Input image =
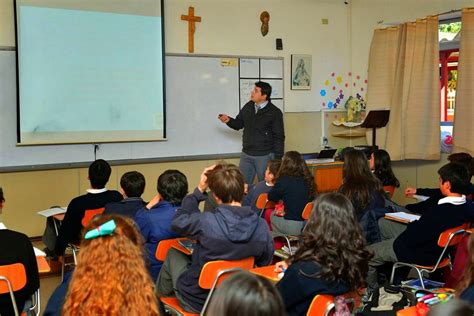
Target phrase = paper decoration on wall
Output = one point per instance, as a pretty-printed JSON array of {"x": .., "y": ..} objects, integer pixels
[
  {"x": 265, "y": 18},
  {"x": 336, "y": 89},
  {"x": 192, "y": 19}
]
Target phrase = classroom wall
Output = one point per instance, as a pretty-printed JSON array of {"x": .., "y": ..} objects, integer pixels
[{"x": 230, "y": 27}]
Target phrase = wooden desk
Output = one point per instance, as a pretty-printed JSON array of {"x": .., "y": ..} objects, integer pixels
[
  {"x": 267, "y": 272},
  {"x": 43, "y": 265},
  {"x": 327, "y": 176}
]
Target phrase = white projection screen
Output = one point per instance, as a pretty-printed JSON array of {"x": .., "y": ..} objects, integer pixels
[{"x": 90, "y": 71}]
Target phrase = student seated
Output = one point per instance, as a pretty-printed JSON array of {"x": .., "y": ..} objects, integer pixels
[
  {"x": 264, "y": 186},
  {"x": 132, "y": 186},
  {"x": 98, "y": 196},
  {"x": 110, "y": 277},
  {"x": 295, "y": 186},
  {"x": 244, "y": 293},
  {"x": 16, "y": 247},
  {"x": 230, "y": 232},
  {"x": 332, "y": 258},
  {"x": 434, "y": 195},
  {"x": 381, "y": 166},
  {"x": 154, "y": 220},
  {"x": 365, "y": 192},
  {"x": 417, "y": 242}
]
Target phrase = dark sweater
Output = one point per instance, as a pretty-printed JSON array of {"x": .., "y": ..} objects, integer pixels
[
  {"x": 127, "y": 207},
  {"x": 226, "y": 233},
  {"x": 16, "y": 247},
  {"x": 263, "y": 131},
  {"x": 155, "y": 226},
  {"x": 468, "y": 295},
  {"x": 295, "y": 195},
  {"x": 298, "y": 290},
  {"x": 434, "y": 196},
  {"x": 251, "y": 198},
  {"x": 419, "y": 242},
  {"x": 71, "y": 226}
]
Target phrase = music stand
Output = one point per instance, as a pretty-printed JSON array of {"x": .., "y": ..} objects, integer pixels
[{"x": 376, "y": 119}]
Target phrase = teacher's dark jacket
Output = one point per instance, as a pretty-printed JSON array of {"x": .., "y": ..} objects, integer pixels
[{"x": 263, "y": 131}]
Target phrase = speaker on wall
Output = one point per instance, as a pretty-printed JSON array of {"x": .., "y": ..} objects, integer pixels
[{"x": 279, "y": 44}]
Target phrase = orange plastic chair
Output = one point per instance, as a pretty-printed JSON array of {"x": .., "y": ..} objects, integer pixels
[
  {"x": 390, "y": 189},
  {"x": 263, "y": 203},
  {"x": 323, "y": 305},
  {"x": 289, "y": 238},
  {"x": 448, "y": 238},
  {"x": 89, "y": 215},
  {"x": 12, "y": 279},
  {"x": 212, "y": 274}
]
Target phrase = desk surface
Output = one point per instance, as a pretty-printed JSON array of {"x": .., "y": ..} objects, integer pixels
[
  {"x": 267, "y": 272},
  {"x": 410, "y": 311},
  {"x": 43, "y": 265}
]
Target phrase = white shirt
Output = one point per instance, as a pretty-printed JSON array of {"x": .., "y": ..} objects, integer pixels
[
  {"x": 456, "y": 200},
  {"x": 96, "y": 191},
  {"x": 260, "y": 106}
]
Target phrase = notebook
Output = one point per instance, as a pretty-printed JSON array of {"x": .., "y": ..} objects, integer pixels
[{"x": 402, "y": 217}]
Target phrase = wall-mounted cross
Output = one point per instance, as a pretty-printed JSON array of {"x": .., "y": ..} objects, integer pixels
[{"x": 192, "y": 19}]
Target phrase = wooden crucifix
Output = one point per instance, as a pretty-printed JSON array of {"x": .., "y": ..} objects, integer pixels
[{"x": 192, "y": 19}]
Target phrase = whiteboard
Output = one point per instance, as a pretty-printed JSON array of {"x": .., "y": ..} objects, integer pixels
[
  {"x": 271, "y": 69},
  {"x": 249, "y": 68},
  {"x": 198, "y": 88}
]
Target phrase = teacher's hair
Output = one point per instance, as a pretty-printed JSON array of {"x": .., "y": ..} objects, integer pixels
[{"x": 265, "y": 88}]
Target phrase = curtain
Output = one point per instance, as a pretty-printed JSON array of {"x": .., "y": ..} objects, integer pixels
[
  {"x": 404, "y": 78},
  {"x": 463, "y": 134}
]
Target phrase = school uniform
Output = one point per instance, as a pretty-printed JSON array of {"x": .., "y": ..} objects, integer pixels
[
  {"x": 128, "y": 207},
  {"x": 16, "y": 247},
  {"x": 299, "y": 286},
  {"x": 254, "y": 192}
]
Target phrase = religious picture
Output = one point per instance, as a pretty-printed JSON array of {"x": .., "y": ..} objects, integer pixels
[{"x": 301, "y": 72}]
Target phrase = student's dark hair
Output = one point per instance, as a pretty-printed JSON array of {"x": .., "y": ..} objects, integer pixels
[
  {"x": 293, "y": 165},
  {"x": 359, "y": 184},
  {"x": 99, "y": 173},
  {"x": 133, "y": 183},
  {"x": 246, "y": 294},
  {"x": 456, "y": 307},
  {"x": 333, "y": 239},
  {"x": 383, "y": 168},
  {"x": 172, "y": 186},
  {"x": 273, "y": 166},
  {"x": 265, "y": 88},
  {"x": 2, "y": 197},
  {"x": 227, "y": 182},
  {"x": 457, "y": 174},
  {"x": 464, "y": 159}
]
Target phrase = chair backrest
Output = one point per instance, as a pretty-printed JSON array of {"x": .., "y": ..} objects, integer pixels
[
  {"x": 214, "y": 272},
  {"x": 452, "y": 236},
  {"x": 89, "y": 215},
  {"x": 263, "y": 202},
  {"x": 323, "y": 305},
  {"x": 16, "y": 274},
  {"x": 390, "y": 189},
  {"x": 163, "y": 247},
  {"x": 307, "y": 210}
]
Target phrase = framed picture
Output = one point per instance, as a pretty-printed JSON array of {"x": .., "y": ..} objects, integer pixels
[{"x": 301, "y": 72}]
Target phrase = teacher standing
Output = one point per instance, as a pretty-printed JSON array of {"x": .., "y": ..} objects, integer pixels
[{"x": 264, "y": 134}]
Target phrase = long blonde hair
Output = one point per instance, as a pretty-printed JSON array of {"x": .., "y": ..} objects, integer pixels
[{"x": 110, "y": 277}]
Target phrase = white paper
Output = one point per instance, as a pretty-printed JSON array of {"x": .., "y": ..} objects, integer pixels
[
  {"x": 53, "y": 211},
  {"x": 39, "y": 253},
  {"x": 322, "y": 160},
  {"x": 420, "y": 197},
  {"x": 404, "y": 216}
]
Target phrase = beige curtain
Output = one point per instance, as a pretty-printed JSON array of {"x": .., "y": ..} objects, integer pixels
[
  {"x": 463, "y": 135},
  {"x": 404, "y": 77}
]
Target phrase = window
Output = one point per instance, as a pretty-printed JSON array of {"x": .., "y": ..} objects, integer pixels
[{"x": 449, "y": 37}]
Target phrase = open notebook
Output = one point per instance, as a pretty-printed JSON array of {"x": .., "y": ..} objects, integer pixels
[{"x": 402, "y": 217}]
